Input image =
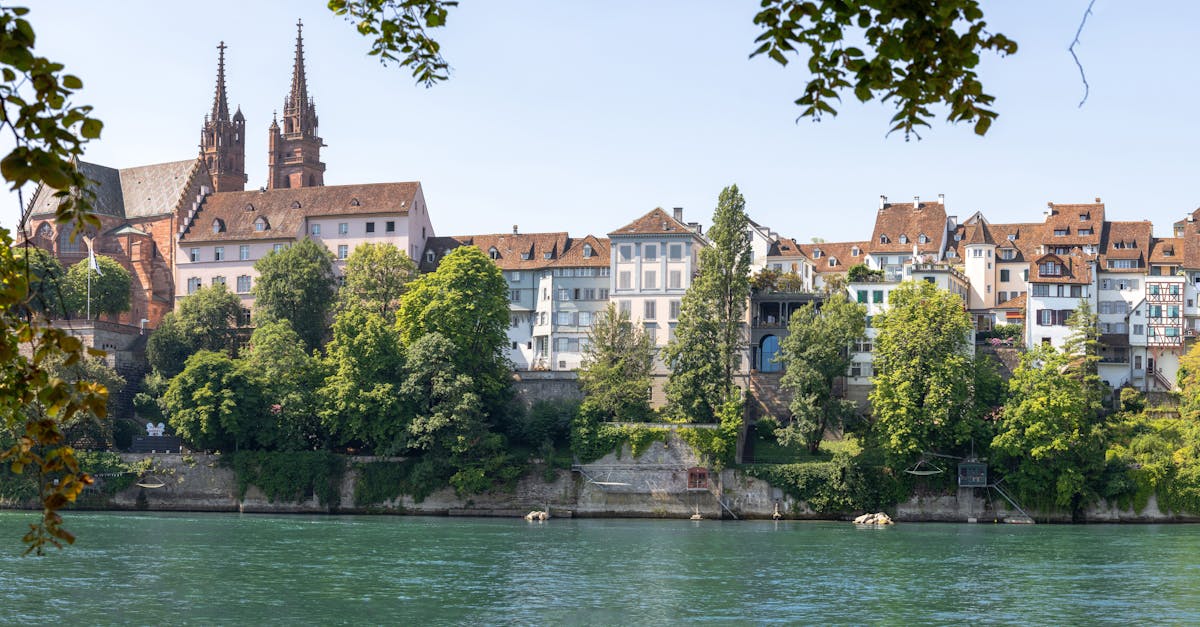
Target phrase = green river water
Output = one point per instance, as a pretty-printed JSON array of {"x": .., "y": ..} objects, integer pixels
[{"x": 161, "y": 568}]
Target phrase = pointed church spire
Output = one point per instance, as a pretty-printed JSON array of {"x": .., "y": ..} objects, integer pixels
[
  {"x": 294, "y": 151},
  {"x": 298, "y": 97},
  {"x": 220, "y": 108}
]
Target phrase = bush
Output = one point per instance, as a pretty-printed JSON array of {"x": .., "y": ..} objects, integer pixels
[
  {"x": 1132, "y": 400},
  {"x": 377, "y": 482},
  {"x": 847, "y": 484},
  {"x": 289, "y": 476}
]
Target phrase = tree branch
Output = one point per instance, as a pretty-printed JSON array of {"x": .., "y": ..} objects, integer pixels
[{"x": 1071, "y": 49}]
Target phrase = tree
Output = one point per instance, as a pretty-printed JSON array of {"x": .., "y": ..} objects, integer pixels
[
  {"x": 447, "y": 414},
  {"x": 615, "y": 374},
  {"x": 361, "y": 399},
  {"x": 292, "y": 378},
  {"x": 466, "y": 301},
  {"x": 860, "y": 273},
  {"x": 109, "y": 287},
  {"x": 1048, "y": 437},
  {"x": 713, "y": 312},
  {"x": 87, "y": 429},
  {"x": 168, "y": 347},
  {"x": 814, "y": 354},
  {"x": 297, "y": 284},
  {"x": 204, "y": 320},
  {"x": 1083, "y": 345},
  {"x": 921, "y": 400},
  {"x": 376, "y": 276},
  {"x": 214, "y": 404},
  {"x": 1188, "y": 378},
  {"x": 924, "y": 53},
  {"x": 47, "y": 281},
  {"x": 48, "y": 133}
]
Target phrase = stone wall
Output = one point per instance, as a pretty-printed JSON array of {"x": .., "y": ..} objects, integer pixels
[{"x": 532, "y": 386}]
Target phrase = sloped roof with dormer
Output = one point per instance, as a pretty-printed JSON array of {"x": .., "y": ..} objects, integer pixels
[
  {"x": 1081, "y": 224},
  {"x": 905, "y": 221},
  {"x": 286, "y": 209},
  {"x": 1076, "y": 269},
  {"x": 656, "y": 222},
  {"x": 785, "y": 248},
  {"x": 1167, "y": 250},
  {"x": 840, "y": 253},
  {"x": 524, "y": 251}
]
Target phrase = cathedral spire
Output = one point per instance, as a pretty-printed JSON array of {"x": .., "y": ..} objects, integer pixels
[
  {"x": 220, "y": 108},
  {"x": 298, "y": 97},
  {"x": 294, "y": 147}
]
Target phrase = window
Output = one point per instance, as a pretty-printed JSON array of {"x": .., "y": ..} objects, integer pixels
[
  {"x": 429, "y": 256},
  {"x": 277, "y": 248},
  {"x": 650, "y": 310},
  {"x": 1139, "y": 329},
  {"x": 651, "y": 332},
  {"x": 988, "y": 290},
  {"x": 243, "y": 284},
  {"x": 1008, "y": 254},
  {"x": 1004, "y": 275},
  {"x": 563, "y": 294},
  {"x": 675, "y": 279},
  {"x": 1085, "y": 232},
  {"x": 603, "y": 293},
  {"x": 903, "y": 238},
  {"x": 623, "y": 280},
  {"x": 548, "y": 255},
  {"x": 1012, "y": 237},
  {"x": 626, "y": 252},
  {"x": 877, "y": 296},
  {"x": 1084, "y": 217},
  {"x": 194, "y": 254},
  {"x": 315, "y": 230},
  {"x": 862, "y": 296},
  {"x": 587, "y": 251},
  {"x": 856, "y": 251},
  {"x": 1001, "y": 297},
  {"x": 650, "y": 280},
  {"x": 1122, "y": 264},
  {"x": 563, "y": 319},
  {"x": 243, "y": 252},
  {"x": 589, "y": 293},
  {"x": 514, "y": 296},
  {"x": 816, "y": 253},
  {"x": 343, "y": 228},
  {"x": 218, "y": 280},
  {"x": 493, "y": 253},
  {"x": 650, "y": 252},
  {"x": 219, "y": 253},
  {"x": 343, "y": 251},
  {"x": 244, "y": 317},
  {"x": 370, "y": 227},
  {"x": 977, "y": 252},
  {"x": 217, "y": 225},
  {"x": 675, "y": 252},
  {"x": 193, "y": 284},
  {"x": 883, "y": 239},
  {"x": 625, "y": 306},
  {"x": 1050, "y": 268},
  {"x": 389, "y": 226},
  {"x": 1061, "y": 232},
  {"x": 261, "y": 224},
  {"x": 856, "y": 369},
  {"x": 832, "y": 261},
  {"x": 921, "y": 239},
  {"x": 950, "y": 254},
  {"x": 1041, "y": 289},
  {"x": 673, "y": 310},
  {"x": 585, "y": 318}
]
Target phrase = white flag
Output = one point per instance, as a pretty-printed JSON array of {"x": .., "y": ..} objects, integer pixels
[{"x": 92, "y": 259}]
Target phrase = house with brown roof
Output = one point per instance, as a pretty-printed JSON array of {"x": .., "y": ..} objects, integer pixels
[
  {"x": 1057, "y": 286},
  {"x": 916, "y": 231},
  {"x": 558, "y": 285}
]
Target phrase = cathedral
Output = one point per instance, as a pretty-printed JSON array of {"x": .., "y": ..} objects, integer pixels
[{"x": 185, "y": 224}]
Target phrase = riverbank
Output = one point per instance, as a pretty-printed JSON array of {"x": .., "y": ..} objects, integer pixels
[{"x": 667, "y": 480}]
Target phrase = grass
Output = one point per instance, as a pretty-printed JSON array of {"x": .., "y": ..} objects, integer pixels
[{"x": 768, "y": 451}]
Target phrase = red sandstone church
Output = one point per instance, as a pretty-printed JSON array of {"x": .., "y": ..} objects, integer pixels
[{"x": 191, "y": 222}]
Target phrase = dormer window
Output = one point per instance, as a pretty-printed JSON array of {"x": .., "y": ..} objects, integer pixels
[
  {"x": 832, "y": 261},
  {"x": 1050, "y": 268},
  {"x": 950, "y": 254},
  {"x": 883, "y": 239},
  {"x": 548, "y": 255},
  {"x": 525, "y": 256},
  {"x": 1008, "y": 254},
  {"x": 218, "y": 225},
  {"x": 1168, "y": 252},
  {"x": 261, "y": 224},
  {"x": 854, "y": 252},
  {"x": 903, "y": 238},
  {"x": 1084, "y": 217},
  {"x": 958, "y": 237},
  {"x": 429, "y": 256},
  {"x": 1085, "y": 232},
  {"x": 587, "y": 251},
  {"x": 493, "y": 253},
  {"x": 816, "y": 253},
  {"x": 1012, "y": 237},
  {"x": 249, "y": 207},
  {"x": 922, "y": 239},
  {"x": 354, "y": 202},
  {"x": 295, "y": 204},
  {"x": 1061, "y": 232}
]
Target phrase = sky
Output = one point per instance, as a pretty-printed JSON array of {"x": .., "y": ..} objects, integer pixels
[{"x": 580, "y": 116}]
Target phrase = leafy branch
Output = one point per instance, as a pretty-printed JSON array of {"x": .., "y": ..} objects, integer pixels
[{"x": 400, "y": 29}]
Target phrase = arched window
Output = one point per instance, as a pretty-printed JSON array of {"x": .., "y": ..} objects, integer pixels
[
  {"x": 856, "y": 251},
  {"x": 218, "y": 225},
  {"x": 922, "y": 239},
  {"x": 354, "y": 202},
  {"x": 587, "y": 251},
  {"x": 903, "y": 239},
  {"x": 45, "y": 232},
  {"x": 261, "y": 224},
  {"x": 295, "y": 204},
  {"x": 816, "y": 253},
  {"x": 493, "y": 253},
  {"x": 883, "y": 239}
]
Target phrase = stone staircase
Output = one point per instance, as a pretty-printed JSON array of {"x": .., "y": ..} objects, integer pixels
[{"x": 766, "y": 398}]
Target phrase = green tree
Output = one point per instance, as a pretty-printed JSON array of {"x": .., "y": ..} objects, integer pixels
[
  {"x": 87, "y": 429},
  {"x": 921, "y": 400},
  {"x": 1048, "y": 437},
  {"x": 297, "y": 284},
  {"x": 1083, "y": 345},
  {"x": 376, "y": 277},
  {"x": 47, "y": 281},
  {"x": 814, "y": 354},
  {"x": 447, "y": 413},
  {"x": 916, "y": 55},
  {"x": 214, "y": 404},
  {"x": 466, "y": 301},
  {"x": 713, "y": 312},
  {"x": 860, "y": 273},
  {"x": 48, "y": 133},
  {"x": 204, "y": 320},
  {"x": 110, "y": 287},
  {"x": 1188, "y": 378},
  {"x": 615, "y": 374},
  {"x": 361, "y": 398},
  {"x": 291, "y": 380}
]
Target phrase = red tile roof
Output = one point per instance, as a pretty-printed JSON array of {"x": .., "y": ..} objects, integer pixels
[
  {"x": 1126, "y": 240},
  {"x": 903, "y": 221},
  {"x": 1076, "y": 269},
  {"x": 657, "y": 222},
  {"x": 1081, "y": 224},
  {"x": 1017, "y": 302},
  {"x": 525, "y": 251},
  {"x": 840, "y": 252},
  {"x": 1167, "y": 250}
]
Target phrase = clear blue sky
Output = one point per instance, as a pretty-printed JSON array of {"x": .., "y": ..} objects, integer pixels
[{"x": 580, "y": 116}]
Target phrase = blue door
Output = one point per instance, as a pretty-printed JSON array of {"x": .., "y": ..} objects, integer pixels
[{"x": 767, "y": 351}]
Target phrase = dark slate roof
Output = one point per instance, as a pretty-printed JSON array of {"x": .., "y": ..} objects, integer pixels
[
  {"x": 107, "y": 187},
  {"x": 138, "y": 192},
  {"x": 286, "y": 209}
]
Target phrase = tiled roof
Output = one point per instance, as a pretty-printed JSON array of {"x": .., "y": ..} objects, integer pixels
[
  {"x": 978, "y": 233},
  {"x": 840, "y": 252},
  {"x": 286, "y": 209},
  {"x": 1023, "y": 237},
  {"x": 657, "y": 222},
  {"x": 895, "y": 220},
  {"x": 1167, "y": 250},
  {"x": 786, "y": 248},
  {"x": 1071, "y": 219},
  {"x": 107, "y": 188},
  {"x": 1017, "y": 302},
  {"x": 1126, "y": 240},
  {"x": 153, "y": 190},
  {"x": 525, "y": 251},
  {"x": 1076, "y": 269}
]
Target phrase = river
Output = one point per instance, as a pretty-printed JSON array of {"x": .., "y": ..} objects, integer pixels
[{"x": 164, "y": 568}]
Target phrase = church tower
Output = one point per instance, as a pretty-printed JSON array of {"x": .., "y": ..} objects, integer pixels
[
  {"x": 223, "y": 140},
  {"x": 294, "y": 158}
]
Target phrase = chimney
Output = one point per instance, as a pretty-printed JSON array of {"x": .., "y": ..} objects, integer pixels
[
  {"x": 942, "y": 199},
  {"x": 882, "y": 201},
  {"x": 916, "y": 202},
  {"x": 1049, "y": 209},
  {"x": 514, "y": 229},
  {"x": 678, "y": 211},
  {"x": 695, "y": 228},
  {"x": 1097, "y": 199}
]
